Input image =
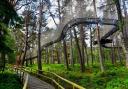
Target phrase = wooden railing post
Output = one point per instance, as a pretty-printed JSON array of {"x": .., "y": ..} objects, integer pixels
[{"x": 26, "y": 82}]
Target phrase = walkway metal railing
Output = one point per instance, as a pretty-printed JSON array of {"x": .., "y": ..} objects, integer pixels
[{"x": 56, "y": 80}]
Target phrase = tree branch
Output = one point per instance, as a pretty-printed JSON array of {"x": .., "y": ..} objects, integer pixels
[{"x": 24, "y": 5}]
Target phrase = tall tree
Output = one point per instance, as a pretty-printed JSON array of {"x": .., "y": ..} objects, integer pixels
[
  {"x": 64, "y": 41},
  {"x": 8, "y": 17},
  {"x": 82, "y": 66},
  {"x": 82, "y": 39},
  {"x": 121, "y": 24},
  {"x": 39, "y": 62},
  {"x": 26, "y": 36},
  {"x": 91, "y": 46},
  {"x": 71, "y": 49},
  {"x": 98, "y": 39}
]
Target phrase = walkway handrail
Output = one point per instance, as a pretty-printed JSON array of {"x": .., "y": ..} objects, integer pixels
[
  {"x": 74, "y": 85},
  {"x": 26, "y": 82},
  {"x": 21, "y": 72},
  {"x": 41, "y": 75},
  {"x": 71, "y": 83},
  {"x": 59, "y": 86},
  {"x": 34, "y": 71}
]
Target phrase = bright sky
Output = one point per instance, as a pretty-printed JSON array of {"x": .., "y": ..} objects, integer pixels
[{"x": 51, "y": 23}]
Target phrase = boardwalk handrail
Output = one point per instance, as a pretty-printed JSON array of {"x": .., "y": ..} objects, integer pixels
[
  {"x": 26, "y": 82},
  {"x": 74, "y": 85},
  {"x": 21, "y": 75},
  {"x": 41, "y": 75},
  {"x": 56, "y": 82},
  {"x": 59, "y": 86},
  {"x": 69, "y": 82}
]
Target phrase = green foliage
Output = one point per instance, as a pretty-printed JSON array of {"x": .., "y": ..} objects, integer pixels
[
  {"x": 7, "y": 42},
  {"x": 117, "y": 83},
  {"x": 11, "y": 58},
  {"x": 115, "y": 77},
  {"x": 8, "y": 80},
  {"x": 8, "y": 14}
]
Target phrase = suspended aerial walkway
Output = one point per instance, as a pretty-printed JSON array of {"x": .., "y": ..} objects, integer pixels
[
  {"x": 88, "y": 21},
  {"x": 53, "y": 36}
]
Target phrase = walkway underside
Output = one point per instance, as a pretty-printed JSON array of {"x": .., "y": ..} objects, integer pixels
[{"x": 52, "y": 37}]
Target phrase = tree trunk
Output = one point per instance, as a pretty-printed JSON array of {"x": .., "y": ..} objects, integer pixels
[
  {"x": 86, "y": 54},
  {"x": 112, "y": 50},
  {"x": 52, "y": 55},
  {"x": 124, "y": 33},
  {"x": 82, "y": 42},
  {"x": 39, "y": 62},
  {"x": 65, "y": 54},
  {"x": 82, "y": 66},
  {"x": 30, "y": 57},
  {"x": 3, "y": 61},
  {"x": 47, "y": 55},
  {"x": 91, "y": 46},
  {"x": 98, "y": 40},
  {"x": 26, "y": 41},
  {"x": 71, "y": 50},
  {"x": 57, "y": 54},
  {"x": 100, "y": 50}
]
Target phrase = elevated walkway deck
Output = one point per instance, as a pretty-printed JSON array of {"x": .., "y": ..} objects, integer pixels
[{"x": 36, "y": 83}]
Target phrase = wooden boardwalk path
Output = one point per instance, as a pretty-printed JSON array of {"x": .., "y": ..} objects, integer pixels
[
  {"x": 32, "y": 82},
  {"x": 36, "y": 83}
]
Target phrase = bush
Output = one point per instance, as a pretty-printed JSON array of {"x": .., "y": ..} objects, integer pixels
[
  {"x": 9, "y": 80},
  {"x": 117, "y": 83}
]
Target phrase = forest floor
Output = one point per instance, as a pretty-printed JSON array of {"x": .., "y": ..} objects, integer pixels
[
  {"x": 9, "y": 80},
  {"x": 114, "y": 77}
]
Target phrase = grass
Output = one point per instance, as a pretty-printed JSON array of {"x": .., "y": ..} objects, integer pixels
[
  {"x": 9, "y": 80},
  {"x": 115, "y": 77}
]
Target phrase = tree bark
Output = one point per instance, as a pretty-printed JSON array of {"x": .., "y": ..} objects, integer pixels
[
  {"x": 98, "y": 40},
  {"x": 121, "y": 24},
  {"x": 47, "y": 55},
  {"x": 82, "y": 42},
  {"x": 3, "y": 61},
  {"x": 57, "y": 54},
  {"x": 26, "y": 41},
  {"x": 39, "y": 62},
  {"x": 65, "y": 54},
  {"x": 91, "y": 46},
  {"x": 82, "y": 65},
  {"x": 52, "y": 55},
  {"x": 71, "y": 50},
  {"x": 86, "y": 54}
]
